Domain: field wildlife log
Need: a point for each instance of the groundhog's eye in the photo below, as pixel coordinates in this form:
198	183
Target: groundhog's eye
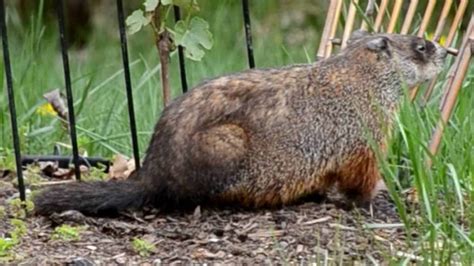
421	47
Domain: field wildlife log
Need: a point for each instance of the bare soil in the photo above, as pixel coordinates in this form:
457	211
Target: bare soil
310	232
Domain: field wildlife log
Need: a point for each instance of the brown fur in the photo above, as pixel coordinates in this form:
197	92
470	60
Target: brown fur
266	138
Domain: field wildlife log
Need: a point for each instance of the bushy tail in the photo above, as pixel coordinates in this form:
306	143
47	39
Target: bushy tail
100	198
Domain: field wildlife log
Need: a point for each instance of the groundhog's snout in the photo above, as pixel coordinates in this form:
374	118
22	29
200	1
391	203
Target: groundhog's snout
442	52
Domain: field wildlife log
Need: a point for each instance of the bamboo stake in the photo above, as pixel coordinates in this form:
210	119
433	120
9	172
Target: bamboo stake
458	60
380	15
457	21
454	84
394	16
327	29
442	20
349	22
452	31
332	34
426	17
409	17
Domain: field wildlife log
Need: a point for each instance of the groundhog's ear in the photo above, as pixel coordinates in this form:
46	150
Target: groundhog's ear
378	44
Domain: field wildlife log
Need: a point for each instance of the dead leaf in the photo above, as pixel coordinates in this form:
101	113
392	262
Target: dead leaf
121	167
202	253
62	173
48	168
197	213
56	99
412	196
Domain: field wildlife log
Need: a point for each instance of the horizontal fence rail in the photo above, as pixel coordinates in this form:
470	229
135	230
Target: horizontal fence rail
333	35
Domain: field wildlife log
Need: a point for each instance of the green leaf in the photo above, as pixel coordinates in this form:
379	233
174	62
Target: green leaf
167	2
193	37
188	5
136	21
150	5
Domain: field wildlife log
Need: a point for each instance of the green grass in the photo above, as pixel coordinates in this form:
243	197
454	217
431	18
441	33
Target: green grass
98	82
446	192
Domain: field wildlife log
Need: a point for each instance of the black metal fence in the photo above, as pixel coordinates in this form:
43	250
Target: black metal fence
77	160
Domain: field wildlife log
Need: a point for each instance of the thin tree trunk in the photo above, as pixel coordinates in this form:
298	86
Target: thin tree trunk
164	46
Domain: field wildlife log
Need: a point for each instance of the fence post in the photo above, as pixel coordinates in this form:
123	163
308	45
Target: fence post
67	80
248	33
182	67
128	83
11	101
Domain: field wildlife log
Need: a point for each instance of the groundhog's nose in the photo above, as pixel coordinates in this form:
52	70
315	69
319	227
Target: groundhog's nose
443	52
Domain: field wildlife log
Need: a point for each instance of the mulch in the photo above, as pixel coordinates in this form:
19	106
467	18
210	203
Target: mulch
312	232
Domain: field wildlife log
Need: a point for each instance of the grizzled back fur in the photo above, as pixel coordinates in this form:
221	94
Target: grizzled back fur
270	137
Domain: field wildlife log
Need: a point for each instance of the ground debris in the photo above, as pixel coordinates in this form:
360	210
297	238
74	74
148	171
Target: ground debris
305	233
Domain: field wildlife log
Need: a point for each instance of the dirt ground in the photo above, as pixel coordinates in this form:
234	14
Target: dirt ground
320	232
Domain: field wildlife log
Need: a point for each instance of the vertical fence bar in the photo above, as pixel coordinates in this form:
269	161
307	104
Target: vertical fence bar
11	101
128	83
442	20
394	16
182	67
426	17
454	83
349	22
67	80
248	33
320	53
380	15
452	31
332	33
457	21
409	17
451	98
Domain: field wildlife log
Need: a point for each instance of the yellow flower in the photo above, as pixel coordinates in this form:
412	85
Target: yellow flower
442	39
46	109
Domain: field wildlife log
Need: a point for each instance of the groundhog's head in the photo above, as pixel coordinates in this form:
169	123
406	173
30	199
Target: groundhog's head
416	59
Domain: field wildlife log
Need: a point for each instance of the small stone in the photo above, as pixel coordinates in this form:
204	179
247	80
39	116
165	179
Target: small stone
283	244
121	260
299	248
242	237
197	213
80	261
91	247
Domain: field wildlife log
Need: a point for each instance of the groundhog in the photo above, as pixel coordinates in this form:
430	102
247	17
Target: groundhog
269	137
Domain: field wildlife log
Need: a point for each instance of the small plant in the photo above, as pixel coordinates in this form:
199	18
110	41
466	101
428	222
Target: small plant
19	229
32	175
192	33
20	209
7	159
3	212
6	244
67	232
143	247
95	173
